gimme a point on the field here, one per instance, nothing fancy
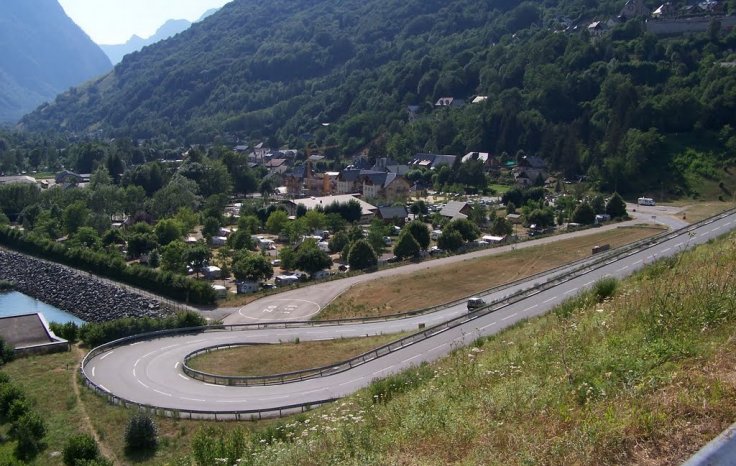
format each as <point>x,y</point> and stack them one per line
<point>286,357</point>
<point>404,293</point>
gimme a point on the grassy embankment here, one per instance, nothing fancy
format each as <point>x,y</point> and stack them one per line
<point>403,293</point>
<point>254,360</point>
<point>645,376</point>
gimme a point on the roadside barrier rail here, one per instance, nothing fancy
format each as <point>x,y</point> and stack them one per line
<point>599,262</point>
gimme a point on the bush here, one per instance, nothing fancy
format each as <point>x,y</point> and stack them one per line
<point>141,434</point>
<point>605,288</point>
<point>68,331</point>
<point>79,450</point>
<point>7,352</point>
<point>8,394</point>
<point>29,431</point>
<point>95,334</point>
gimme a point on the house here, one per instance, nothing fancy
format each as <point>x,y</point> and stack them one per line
<point>665,10</point>
<point>17,179</point>
<point>367,210</point>
<point>490,239</point>
<point>597,28</point>
<point>393,215</point>
<point>479,99</point>
<point>514,218</point>
<point>385,164</point>
<point>69,177</point>
<point>432,161</point>
<point>286,280</point>
<point>241,148</point>
<point>489,161</point>
<point>276,165</point>
<point>384,185</point>
<point>348,181</point>
<point>455,210</point>
<point>449,102</point>
<point>634,9</point>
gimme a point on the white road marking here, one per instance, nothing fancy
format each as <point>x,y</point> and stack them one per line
<point>108,354</point>
<point>411,358</point>
<point>148,354</point>
<point>134,372</point>
<point>511,316</point>
<point>136,363</point>
<point>571,291</point>
<point>313,391</point>
<point>665,250</point>
<point>489,325</point>
<point>352,381</point>
<point>104,388</point>
<point>638,262</point>
<point>679,244</point>
<point>142,383</point>
<point>589,283</point>
<point>161,393</point>
<point>549,300</point>
<point>438,347</point>
<point>169,347</point>
<point>231,401</point>
<point>176,366</point>
<point>622,268</point>
<point>383,370</point>
<point>530,308</point>
<point>192,399</point>
<point>183,376</point>
<point>214,385</point>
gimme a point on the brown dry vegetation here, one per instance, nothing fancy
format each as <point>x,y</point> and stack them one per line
<point>392,295</point>
<point>253,360</point>
<point>646,377</point>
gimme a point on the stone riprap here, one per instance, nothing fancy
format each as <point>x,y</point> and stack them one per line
<point>81,294</point>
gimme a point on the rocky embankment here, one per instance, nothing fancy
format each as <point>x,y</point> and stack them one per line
<point>78,293</point>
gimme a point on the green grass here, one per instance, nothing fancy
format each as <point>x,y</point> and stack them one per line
<point>637,372</point>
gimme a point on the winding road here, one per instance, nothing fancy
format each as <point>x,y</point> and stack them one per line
<point>150,372</point>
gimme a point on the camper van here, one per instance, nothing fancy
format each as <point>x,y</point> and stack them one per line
<point>646,201</point>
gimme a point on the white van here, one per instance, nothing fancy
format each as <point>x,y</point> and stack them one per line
<point>646,201</point>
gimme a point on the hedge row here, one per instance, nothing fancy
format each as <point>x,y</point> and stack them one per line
<point>174,286</point>
<point>95,334</point>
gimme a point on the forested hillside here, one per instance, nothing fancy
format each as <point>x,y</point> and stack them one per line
<point>628,105</point>
<point>43,53</point>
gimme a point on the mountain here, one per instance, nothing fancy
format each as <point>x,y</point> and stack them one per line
<point>42,53</point>
<point>170,28</point>
<point>343,75</point>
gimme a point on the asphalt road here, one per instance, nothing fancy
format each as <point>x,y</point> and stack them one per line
<point>150,372</point>
<point>304,303</point>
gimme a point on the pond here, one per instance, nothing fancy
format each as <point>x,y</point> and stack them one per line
<point>14,303</point>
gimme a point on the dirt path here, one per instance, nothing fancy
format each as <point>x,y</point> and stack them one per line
<point>104,449</point>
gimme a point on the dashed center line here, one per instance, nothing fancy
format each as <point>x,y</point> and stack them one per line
<point>571,291</point>
<point>530,308</point>
<point>108,354</point>
<point>511,316</point>
<point>143,383</point>
<point>93,371</point>
<point>665,250</point>
<point>549,300</point>
<point>411,358</point>
<point>489,325</point>
<point>383,370</point>
<point>438,347</point>
<point>183,376</point>
<point>622,268</point>
<point>352,381</point>
<point>161,393</point>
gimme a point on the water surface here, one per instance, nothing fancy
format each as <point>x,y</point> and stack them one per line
<point>14,303</point>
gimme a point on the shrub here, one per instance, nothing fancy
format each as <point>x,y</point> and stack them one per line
<point>8,394</point>
<point>141,434</point>
<point>80,449</point>
<point>7,353</point>
<point>95,334</point>
<point>383,390</point>
<point>29,431</point>
<point>68,331</point>
<point>605,288</point>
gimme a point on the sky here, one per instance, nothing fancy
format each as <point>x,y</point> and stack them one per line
<point>115,21</point>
